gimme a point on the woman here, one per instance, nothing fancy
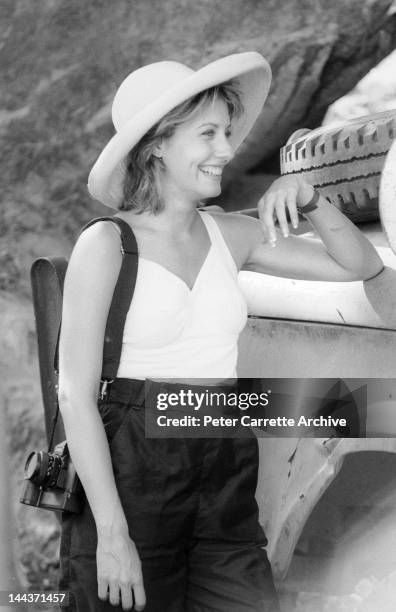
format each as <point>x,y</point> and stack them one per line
<point>172,524</point>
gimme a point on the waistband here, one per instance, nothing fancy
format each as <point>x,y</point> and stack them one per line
<point>136,390</point>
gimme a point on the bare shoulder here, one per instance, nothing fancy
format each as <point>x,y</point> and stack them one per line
<point>96,257</point>
<point>241,233</point>
<point>102,237</point>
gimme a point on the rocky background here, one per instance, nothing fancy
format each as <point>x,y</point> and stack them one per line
<point>375,93</point>
<point>62,62</point>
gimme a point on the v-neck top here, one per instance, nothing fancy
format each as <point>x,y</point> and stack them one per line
<point>174,331</point>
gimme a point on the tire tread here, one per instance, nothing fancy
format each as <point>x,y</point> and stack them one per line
<point>345,162</point>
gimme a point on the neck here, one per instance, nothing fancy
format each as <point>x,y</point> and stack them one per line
<point>180,210</point>
<point>178,216</point>
<point>176,219</point>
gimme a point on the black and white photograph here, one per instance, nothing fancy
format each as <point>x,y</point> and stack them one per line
<point>198,306</point>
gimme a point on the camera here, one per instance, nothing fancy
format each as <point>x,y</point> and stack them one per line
<point>51,481</point>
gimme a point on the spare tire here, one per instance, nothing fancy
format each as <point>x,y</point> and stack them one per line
<point>344,162</point>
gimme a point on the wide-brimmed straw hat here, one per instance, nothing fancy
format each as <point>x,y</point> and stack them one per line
<point>149,93</point>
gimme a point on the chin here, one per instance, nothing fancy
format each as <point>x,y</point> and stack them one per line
<point>212,193</point>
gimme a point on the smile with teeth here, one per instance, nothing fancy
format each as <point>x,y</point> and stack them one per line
<point>215,171</point>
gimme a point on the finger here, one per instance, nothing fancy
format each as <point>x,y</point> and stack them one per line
<point>114,593</point>
<point>126,596</point>
<point>270,228</point>
<point>260,207</point>
<point>266,203</point>
<point>266,214</point>
<point>139,595</point>
<point>292,208</point>
<point>103,586</point>
<point>281,215</point>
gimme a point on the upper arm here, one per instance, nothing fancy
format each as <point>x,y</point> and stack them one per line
<point>89,286</point>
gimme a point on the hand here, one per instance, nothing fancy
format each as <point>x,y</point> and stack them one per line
<point>119,571</point>
<point>287,192</point>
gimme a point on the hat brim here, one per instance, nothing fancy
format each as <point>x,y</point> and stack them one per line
<point>105,181</point>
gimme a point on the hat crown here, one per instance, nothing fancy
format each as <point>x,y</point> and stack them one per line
<point>143,87</point>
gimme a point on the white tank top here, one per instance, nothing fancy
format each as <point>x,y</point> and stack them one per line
<point>172,331</point>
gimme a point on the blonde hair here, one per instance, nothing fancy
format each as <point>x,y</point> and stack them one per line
<point>141,189</point>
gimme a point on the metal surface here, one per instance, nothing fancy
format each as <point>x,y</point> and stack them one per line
<point>271,348</point>
<point>294,473</point>
<point>371,303</point>
<point>300,329</point>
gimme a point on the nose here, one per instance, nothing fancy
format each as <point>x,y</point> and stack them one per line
<point>224,150</point>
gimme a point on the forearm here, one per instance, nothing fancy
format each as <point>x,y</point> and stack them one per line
<point>344,242</point>
<point>90,454</point>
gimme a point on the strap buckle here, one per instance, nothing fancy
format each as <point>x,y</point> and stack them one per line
<point>103,387</point>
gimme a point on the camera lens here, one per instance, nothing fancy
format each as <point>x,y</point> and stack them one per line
<point>36,467</point>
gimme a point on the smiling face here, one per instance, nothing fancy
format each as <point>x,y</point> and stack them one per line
<point>193,158</point>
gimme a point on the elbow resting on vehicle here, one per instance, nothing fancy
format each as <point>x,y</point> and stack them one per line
<point>374,272</point>
<point>367,270</point>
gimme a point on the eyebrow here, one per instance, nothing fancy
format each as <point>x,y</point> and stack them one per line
<point>213,124</point>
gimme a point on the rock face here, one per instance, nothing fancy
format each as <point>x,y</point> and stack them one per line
<point>375,93</point>
<point>35,531</point>
<point>62,62</point>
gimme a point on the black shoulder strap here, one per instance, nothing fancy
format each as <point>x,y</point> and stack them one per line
<point>47,276</point>
<point>122,297</point>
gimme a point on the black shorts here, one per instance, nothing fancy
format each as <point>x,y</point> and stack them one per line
<point>191,512</point>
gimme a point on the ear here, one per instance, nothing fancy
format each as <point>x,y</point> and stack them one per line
<point>157,151</point>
